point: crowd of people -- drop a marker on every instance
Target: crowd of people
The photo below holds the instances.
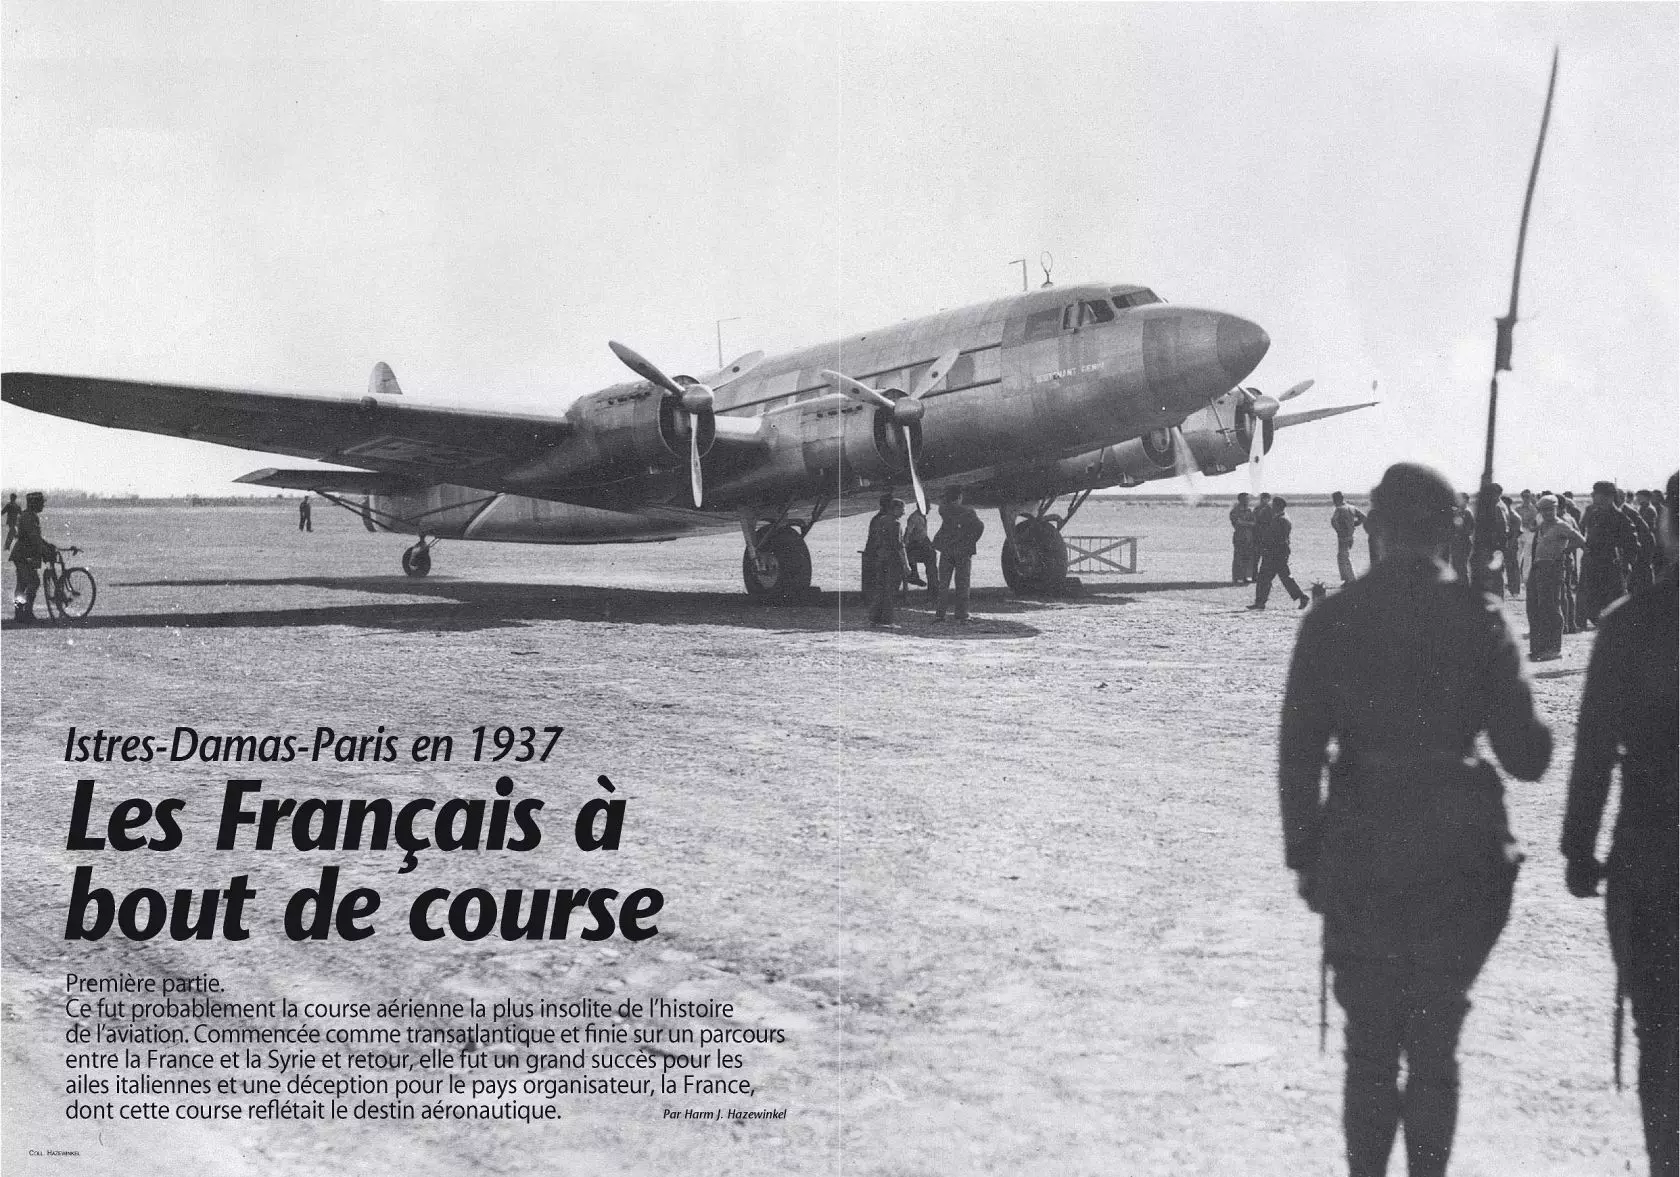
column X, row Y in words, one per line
column 1406, row 850
column 1569, row 564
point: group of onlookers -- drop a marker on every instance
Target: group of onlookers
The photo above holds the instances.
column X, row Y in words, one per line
column 1406, row 848
column 893, row 557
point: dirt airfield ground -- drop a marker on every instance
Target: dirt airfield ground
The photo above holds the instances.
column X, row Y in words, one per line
column 1014, row 890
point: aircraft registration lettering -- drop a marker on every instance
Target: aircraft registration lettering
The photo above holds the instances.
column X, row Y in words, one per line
column 418, row 452
column 1081, row 370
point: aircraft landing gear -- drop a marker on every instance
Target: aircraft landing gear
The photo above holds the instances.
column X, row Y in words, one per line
column 1035, row 556
column 776, row 565
column 780, row 569
column 417, row 560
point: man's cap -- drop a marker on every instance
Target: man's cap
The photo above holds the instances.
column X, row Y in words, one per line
column 35, row 496
column 1413, row 493
column 952, row 495
column 1548, row 502
column 1281, row 504
column 1242, row 496
column 887, row 500
column 1604, row 487
column 1336, row 496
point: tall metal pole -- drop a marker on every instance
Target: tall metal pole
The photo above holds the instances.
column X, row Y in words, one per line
column 1022, row 262
column 1487, row 502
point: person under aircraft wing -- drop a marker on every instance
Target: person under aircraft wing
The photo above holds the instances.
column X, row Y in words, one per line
column 472, row 446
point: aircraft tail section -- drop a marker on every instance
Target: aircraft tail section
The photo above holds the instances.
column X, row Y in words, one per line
column 382, row 381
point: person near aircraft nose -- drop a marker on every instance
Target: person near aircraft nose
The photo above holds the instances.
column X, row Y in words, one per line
column 1408, row 856
column 1628, row 709
column 305, row 523
column 1344, row 521
column 1272, row 537
column 883, row 555
column 919, row 553
column 1242, row 541
column 958, row 539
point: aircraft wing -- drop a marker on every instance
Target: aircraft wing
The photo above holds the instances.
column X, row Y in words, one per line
column 350, row 482
column 433, row 443
column 1284, row 420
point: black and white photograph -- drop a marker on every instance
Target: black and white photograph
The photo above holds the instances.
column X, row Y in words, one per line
column 839, row 588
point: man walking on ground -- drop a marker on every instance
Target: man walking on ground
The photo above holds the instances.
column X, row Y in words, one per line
column 1344, row 521
column 959, row 537
column 1273, row 540
column 305, row 523
column 1628, row 713
column 1409, row 857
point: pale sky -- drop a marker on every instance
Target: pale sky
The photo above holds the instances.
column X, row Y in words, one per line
column 277, row 196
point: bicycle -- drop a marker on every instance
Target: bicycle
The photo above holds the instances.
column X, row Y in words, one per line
column 69, row 592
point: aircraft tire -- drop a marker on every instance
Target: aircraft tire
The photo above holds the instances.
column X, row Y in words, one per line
column 1036, row 562
column 416, row 561
column 787, row 571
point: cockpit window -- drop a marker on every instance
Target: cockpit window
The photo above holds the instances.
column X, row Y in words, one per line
column 1134, row 296
column 1095, row 312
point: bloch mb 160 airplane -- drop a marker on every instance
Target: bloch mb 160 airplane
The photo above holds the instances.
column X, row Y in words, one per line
column 1018, row 401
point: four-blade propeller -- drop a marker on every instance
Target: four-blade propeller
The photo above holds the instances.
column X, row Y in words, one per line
column 904, row 412
column 689, row 396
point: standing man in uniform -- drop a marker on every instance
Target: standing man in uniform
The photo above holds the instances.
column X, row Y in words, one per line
column 958, row 539
column 919, row 553
column 883, row 555
column 1528, row 510
column 1610, row 539
column 304, row 521
column 1554, row 540
column 1628, row 713
column 1273, row 540
column 1515, row 537
column 1642, row 560
column 1344, row 521
column 11, row 511
column 1242, row 541
column 1464, row 538
column 1409, row 858
column 28, row 550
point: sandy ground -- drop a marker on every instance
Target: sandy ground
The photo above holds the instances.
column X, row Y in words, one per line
column 1014, row 891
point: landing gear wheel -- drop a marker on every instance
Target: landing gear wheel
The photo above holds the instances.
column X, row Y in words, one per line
column 1036, row 562
column 783, row 568
column 417, row 561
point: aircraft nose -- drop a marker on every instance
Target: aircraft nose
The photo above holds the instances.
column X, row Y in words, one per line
column 1241, row 346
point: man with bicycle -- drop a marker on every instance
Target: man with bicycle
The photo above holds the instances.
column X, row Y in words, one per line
column 28, row 551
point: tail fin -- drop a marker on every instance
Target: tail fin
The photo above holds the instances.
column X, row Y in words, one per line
column 383, row 381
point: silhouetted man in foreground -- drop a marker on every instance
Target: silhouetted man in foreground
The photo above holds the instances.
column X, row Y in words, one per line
column 1409, row 856
column 1628, row 714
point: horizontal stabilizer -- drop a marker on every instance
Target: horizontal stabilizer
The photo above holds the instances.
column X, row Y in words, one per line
column 350, row 482
column 1284, row 420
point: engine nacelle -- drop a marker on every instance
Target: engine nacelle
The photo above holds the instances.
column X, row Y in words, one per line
column 622, row 432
